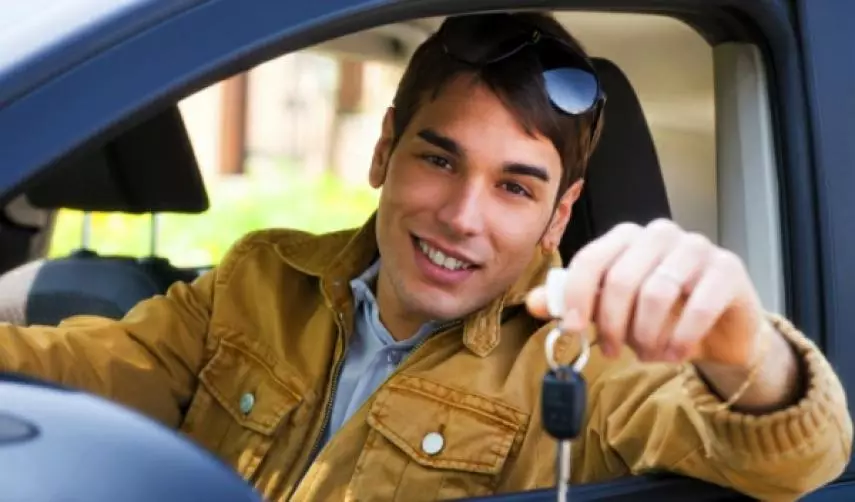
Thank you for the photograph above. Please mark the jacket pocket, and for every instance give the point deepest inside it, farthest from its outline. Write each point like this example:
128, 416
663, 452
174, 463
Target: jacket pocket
241, 402
431, 442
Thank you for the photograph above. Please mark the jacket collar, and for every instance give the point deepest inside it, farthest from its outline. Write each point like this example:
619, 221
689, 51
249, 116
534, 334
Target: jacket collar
338, 257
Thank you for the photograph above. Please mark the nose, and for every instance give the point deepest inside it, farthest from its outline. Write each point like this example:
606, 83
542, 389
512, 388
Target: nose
461, 214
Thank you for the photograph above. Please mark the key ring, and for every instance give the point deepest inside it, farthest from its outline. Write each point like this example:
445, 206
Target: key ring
581, 360
556, 279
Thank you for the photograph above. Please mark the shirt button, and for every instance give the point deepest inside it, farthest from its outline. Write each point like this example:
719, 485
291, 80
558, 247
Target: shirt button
394, 357
247, 401
433, 443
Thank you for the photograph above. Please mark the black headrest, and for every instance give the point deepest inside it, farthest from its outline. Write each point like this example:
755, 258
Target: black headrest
623, 181
150, 167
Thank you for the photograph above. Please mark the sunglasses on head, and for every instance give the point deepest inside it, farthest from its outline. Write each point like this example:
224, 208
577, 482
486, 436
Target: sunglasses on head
570, 79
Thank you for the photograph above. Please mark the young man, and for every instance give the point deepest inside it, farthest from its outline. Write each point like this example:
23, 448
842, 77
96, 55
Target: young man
403, 360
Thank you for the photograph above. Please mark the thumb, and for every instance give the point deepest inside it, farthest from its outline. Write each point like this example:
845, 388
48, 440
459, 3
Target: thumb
536, 303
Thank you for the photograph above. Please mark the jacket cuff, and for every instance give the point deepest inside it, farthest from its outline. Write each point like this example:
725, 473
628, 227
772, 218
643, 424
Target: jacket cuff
821, 410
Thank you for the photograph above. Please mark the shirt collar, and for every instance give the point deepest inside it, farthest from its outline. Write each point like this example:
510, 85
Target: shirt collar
350, 255
365, 306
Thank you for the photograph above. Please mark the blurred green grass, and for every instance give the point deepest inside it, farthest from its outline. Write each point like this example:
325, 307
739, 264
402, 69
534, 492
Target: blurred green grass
279, 197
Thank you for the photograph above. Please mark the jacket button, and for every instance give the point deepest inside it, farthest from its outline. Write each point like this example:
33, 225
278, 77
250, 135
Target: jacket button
247, 401
433, 443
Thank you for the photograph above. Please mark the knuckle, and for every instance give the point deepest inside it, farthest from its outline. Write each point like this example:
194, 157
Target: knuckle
626, 227
618, 284
656, 294
663, 226
626, 230
728, 260
696, 241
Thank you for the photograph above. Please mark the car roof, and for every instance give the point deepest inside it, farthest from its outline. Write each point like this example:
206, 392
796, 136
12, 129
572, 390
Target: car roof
40, 38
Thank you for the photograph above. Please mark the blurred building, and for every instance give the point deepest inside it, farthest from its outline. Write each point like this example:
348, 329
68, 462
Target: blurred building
316, 110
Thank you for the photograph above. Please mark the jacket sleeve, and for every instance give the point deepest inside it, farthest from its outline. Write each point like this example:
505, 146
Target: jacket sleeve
645, 418
653, 419
148, 360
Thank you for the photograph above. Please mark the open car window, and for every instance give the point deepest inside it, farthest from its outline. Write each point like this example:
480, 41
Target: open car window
288, 142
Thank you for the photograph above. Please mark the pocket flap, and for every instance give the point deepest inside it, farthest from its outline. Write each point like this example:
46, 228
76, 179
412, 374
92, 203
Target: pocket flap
249, 389
446, 428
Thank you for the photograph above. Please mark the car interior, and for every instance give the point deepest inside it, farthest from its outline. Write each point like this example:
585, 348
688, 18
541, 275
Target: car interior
149, 167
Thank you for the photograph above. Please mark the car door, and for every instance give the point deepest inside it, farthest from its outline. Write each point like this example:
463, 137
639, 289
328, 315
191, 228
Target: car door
811, 71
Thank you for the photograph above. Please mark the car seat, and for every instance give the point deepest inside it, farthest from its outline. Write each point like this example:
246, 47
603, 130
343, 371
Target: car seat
149, 168
623, 182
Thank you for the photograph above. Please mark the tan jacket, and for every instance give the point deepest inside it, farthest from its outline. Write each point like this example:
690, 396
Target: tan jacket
242, 359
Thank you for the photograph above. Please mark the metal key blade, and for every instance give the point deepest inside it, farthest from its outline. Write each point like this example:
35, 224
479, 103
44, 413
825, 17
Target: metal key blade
564, 461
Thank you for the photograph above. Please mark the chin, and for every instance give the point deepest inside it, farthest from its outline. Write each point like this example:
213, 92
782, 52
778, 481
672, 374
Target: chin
442, 308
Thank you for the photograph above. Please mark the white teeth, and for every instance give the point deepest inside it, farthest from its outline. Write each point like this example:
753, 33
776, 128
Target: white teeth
439, 258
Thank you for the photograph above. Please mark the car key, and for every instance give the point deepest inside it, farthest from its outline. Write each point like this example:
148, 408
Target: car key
563, 400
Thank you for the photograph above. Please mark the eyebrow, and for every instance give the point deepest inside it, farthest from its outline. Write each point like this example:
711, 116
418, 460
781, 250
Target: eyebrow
527, 170
454, 148
444, 142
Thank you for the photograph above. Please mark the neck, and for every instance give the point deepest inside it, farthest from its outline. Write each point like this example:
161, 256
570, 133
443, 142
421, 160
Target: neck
401, 324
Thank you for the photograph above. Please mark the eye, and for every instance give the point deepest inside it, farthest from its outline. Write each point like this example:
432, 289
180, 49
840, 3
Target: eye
438, 161
516, 189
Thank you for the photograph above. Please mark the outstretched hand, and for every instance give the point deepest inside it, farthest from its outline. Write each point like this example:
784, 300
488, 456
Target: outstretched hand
668, 294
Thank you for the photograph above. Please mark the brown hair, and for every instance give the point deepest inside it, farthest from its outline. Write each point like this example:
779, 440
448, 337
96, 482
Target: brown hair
517, 81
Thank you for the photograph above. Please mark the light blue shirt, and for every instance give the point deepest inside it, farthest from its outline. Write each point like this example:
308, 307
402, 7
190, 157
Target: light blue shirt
372, 354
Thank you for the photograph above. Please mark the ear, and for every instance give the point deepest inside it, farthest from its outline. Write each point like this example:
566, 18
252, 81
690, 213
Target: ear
561, 217
382, 151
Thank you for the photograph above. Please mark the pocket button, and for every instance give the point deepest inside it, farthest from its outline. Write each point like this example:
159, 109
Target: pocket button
247, 401
433, 443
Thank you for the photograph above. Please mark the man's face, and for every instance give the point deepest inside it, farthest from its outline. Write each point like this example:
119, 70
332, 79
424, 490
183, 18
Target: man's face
467, 196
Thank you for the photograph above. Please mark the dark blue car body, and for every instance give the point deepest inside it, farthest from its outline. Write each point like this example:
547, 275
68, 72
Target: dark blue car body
72, 75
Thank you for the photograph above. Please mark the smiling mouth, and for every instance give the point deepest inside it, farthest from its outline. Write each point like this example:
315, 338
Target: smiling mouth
441, 259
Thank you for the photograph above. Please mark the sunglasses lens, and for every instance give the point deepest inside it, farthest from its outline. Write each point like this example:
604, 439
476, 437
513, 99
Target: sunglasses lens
573, 90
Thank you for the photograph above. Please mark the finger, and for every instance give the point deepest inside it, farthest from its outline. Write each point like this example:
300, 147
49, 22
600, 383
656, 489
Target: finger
660, 292
713, 294
586, 269
547, 301
535, 301
623, 280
